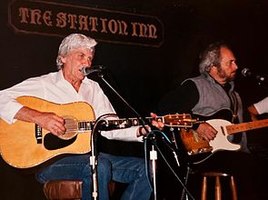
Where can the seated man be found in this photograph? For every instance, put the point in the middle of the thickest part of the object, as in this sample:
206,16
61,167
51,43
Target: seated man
212,95
68,85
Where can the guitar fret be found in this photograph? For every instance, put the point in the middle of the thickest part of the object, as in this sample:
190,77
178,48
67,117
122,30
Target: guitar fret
84,126
133,121
246,126
123,123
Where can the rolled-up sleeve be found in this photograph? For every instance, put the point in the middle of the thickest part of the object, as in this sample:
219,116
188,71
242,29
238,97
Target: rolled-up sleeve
8,104
128,134
9,108
262,106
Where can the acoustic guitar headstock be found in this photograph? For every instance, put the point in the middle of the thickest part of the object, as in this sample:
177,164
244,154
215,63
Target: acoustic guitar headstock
179,120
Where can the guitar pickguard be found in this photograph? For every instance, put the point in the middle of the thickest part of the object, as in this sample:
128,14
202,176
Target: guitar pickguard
52,142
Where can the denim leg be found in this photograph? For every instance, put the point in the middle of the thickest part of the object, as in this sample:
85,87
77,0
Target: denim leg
130,170
104,170
74,167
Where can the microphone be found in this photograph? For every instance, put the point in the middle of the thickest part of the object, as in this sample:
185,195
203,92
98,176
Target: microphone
89,70
246,72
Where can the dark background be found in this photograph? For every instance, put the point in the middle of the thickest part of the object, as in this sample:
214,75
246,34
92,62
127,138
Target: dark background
143,74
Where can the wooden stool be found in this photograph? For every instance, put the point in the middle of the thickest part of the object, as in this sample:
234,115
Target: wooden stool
68,189
63,190
218,188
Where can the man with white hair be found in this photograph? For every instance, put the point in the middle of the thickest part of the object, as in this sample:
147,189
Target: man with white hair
68,85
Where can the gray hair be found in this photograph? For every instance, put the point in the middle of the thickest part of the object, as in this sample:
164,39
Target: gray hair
74,41
211,56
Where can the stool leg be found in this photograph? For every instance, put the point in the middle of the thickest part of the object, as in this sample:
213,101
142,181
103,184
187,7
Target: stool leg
218,189
233,188
204,189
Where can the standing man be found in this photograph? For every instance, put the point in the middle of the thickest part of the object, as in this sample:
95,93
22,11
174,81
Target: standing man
67,85
207,96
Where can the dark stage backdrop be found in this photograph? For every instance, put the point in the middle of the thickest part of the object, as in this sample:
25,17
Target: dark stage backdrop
142,74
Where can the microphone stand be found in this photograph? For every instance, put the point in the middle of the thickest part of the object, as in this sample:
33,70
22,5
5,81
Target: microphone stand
93,160
153,153
93,163
153,158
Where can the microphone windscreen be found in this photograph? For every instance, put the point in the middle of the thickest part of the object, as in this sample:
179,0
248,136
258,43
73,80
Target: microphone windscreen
246,72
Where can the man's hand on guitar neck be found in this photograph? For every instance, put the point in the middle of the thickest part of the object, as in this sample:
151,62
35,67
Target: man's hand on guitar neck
156,123
47,120
253,113
206,131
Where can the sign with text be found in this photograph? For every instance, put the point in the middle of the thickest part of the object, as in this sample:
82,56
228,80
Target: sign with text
51,18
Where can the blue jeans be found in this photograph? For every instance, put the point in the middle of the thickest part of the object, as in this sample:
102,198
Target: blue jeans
129,170
123,169
75,167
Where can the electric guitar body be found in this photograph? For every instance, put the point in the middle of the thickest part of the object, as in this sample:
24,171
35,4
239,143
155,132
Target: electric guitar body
197,146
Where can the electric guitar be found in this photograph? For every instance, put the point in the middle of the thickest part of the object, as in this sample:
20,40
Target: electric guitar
195,145
25,145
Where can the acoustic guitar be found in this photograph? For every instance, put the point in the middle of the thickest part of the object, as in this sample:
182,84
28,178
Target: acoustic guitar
25,145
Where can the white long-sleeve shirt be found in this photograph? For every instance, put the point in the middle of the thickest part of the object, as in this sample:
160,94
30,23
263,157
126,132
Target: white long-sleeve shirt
262,106
54,88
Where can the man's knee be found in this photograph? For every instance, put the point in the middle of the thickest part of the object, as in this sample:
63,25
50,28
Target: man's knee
104,168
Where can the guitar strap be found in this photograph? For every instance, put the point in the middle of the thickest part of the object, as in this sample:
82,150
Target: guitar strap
234,107
238,138
234,102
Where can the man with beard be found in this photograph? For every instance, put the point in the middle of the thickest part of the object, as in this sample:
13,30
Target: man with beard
211,95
